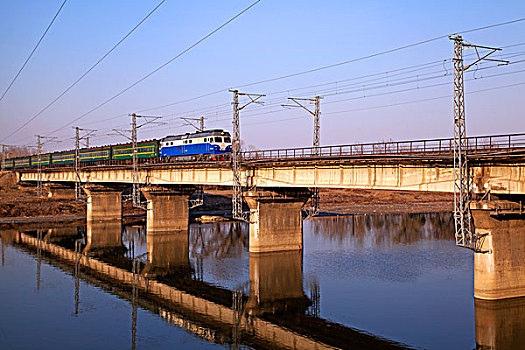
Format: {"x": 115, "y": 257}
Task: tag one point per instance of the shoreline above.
{"x": 346, "y": 211}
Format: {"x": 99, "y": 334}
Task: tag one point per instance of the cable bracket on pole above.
{"x": 135, "y": 194}
{"x": 316, "y": 113}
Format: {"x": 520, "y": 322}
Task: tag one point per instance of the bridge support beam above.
{"x": 60, "y": 191}
{"x": 167, "y": 208}
{"x": 103, "y": 202}
{"x": 276, "y": 283}
{"x": 276, "y": 222}
{"x": 499, "y": 271}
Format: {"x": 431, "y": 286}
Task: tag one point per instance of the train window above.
{"x": 185, "y": 141}
{"x": 190, "y": 141}
{"x": 218, "y": 139}
{"x": 227, "y": 139}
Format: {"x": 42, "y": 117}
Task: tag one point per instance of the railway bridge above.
{"x": 277, "y": 184}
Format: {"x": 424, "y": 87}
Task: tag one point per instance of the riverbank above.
{"x": 21, "y": 204}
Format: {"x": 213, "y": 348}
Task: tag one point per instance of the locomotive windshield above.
{"x": 218, "y": 139}
{"x": 227, "y": 139}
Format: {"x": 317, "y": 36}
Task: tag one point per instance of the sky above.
{"x": 403, "y": 95}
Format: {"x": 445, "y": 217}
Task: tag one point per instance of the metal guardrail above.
{"x": 477, "y": 144}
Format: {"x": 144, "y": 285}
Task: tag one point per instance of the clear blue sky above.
{"x": 274, "y": 38}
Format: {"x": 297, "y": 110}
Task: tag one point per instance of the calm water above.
{"x": 393, "y": 277}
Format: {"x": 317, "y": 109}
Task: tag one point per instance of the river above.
{"x": 367, "y": 281}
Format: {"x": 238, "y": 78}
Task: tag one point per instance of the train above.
{"x": 212, "y": 144}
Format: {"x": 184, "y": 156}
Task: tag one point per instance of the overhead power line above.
{"x": 159, "y": 68}
{"x": 340, "y": 63}
{"x": 33, "y": 51}
{"x": 85, "y": 73}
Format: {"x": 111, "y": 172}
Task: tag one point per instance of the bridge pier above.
{"x": 167, "y": 207}
{"x": 103, "y": 202}
{"x": 499, "y": 271}
{"x": 61, "y": 191}
{"x": 276, "y": 222}
{"x": 276, "y": 283}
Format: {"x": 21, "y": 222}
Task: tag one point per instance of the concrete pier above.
{"x": 276, "y": 223}
{"x": 103, "y": 202}
{"x": 276, "y": 283}
{"x": 167, "y": 207}
{"x": 60, "y": 191}
{"x": 499, "y": 273}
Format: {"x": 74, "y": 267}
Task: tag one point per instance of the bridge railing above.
{"x": 477, "y": 144}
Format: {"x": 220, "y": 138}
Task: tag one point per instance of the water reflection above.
{"x": 500, "y": 324}
{"x": 276, "y": 283}
{"x": 168, "y": 255}
{"x": 230, "y": 296}
{"x": 384, "y": 230}
{"x": 273, "y": 300}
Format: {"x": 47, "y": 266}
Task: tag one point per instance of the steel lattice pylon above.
{"x": 237, "y": 212}
{"x": 236, "y": 154}
{"x": 462, "y": 217}
{"x": 465, "y": 237}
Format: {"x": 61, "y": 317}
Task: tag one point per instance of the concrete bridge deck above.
{"x": 503, "y": 174}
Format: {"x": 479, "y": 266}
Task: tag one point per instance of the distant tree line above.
{"x": 16, "y": 151}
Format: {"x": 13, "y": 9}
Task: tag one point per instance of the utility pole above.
{"x": 135, "y": 195}
{"x": 316, "y": 113}
{"x": 3, "y": 156}
{"x": 78, "y": 138}
{"x": 200, "y": 120}
{"x": 462, "y": 190}
{"x": 236, "y": 152}
{"x": 40, "y": 142}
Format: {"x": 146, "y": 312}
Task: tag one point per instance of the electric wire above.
{"x": 84, "y": 74}
{"x": 158, "y": 68}
{"x": 33, "y": 51}
{"x": 327, "y": 66}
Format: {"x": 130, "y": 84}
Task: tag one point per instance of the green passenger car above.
{"x": 21, "y": 162}
{"x": 63, "y": 157}
{"x": 148, "y": 149}
{"x": 95, "y": 154}
{"x": 45, "y": 159}
{"x": 9, "y": 163}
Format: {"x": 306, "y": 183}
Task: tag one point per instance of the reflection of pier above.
{"x": 500, "y": 324}
{"x": 273, "y": 314}
{"x": 276, "y": 283}
{"x": 168, "y": 254}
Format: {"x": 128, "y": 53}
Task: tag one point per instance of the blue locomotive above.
{"x": 207, "y": 142}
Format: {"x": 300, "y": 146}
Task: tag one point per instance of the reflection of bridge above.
{"x": 279, "y": 180}
{"x": 273, "y": 314}
{"x": 278, "y": 314}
